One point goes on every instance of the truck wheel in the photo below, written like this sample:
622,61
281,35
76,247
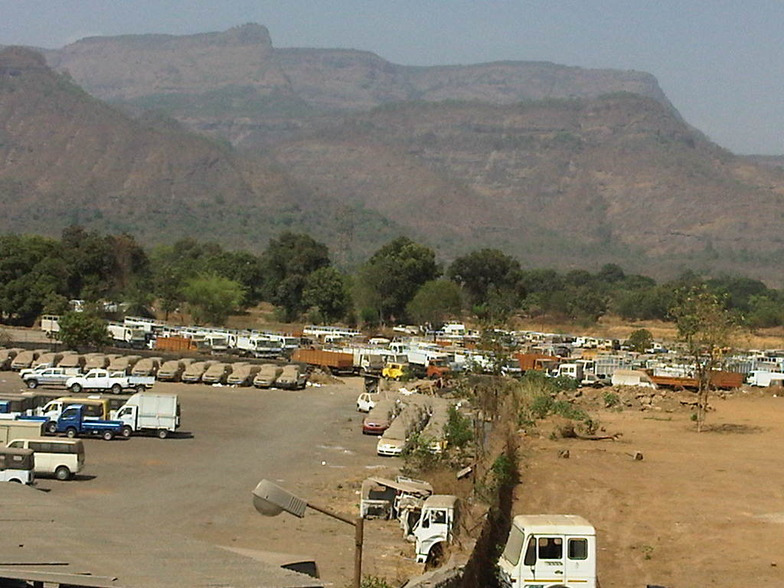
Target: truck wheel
76,388
116,388
141,388
126,431
162,433
435,557
51,427
107,435
70,432
32,383
62,473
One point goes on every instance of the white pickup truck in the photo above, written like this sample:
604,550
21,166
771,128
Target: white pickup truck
104,380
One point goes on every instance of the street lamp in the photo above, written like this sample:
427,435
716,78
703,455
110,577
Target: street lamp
271,500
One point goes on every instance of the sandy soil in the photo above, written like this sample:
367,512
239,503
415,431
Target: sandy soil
701,509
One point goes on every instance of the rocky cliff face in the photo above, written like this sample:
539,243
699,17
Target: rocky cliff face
128,68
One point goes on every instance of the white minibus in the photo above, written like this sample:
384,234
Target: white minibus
61,458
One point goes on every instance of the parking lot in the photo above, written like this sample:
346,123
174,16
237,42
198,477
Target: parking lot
197,484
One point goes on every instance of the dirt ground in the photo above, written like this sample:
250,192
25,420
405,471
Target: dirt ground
198,484
701,509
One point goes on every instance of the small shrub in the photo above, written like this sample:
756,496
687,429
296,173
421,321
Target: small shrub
565,383
541,406
611,399
458,430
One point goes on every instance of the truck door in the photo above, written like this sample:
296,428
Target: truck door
579,563
544,558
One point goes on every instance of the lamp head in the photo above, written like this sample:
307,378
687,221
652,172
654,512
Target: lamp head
270,500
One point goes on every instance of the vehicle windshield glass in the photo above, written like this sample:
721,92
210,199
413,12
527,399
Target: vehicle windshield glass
514,545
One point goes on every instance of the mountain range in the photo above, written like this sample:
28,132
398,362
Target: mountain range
222,136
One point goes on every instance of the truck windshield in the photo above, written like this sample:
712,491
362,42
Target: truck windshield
514,545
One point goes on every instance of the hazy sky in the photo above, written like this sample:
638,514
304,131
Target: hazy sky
719,61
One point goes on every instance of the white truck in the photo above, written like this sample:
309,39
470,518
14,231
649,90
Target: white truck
154,413
435,528
549,551
765,379
104,380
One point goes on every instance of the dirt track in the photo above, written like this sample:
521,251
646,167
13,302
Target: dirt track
699,510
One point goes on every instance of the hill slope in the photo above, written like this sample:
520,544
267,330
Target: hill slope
559,166
66,157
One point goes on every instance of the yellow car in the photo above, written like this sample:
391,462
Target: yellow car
394,370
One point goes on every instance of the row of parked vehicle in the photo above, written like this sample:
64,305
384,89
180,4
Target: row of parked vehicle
268,375
119,373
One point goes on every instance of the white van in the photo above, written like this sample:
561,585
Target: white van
17,465
61,458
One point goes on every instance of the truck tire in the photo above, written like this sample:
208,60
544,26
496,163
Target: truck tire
50,427
70,432
162,433
62,473
32,383
116,388
76,388
127,431
141,388
107,435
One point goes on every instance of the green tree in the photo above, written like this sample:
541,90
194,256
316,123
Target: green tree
640,340
392,276
706,327
481,272
287,262
327,292
435,302
31,270
82,329
586,303
211,299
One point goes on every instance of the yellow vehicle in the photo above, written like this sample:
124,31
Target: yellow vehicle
394,370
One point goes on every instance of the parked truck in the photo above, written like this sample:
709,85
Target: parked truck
150,413
333,361
435,528
51,377
74,423
765,379
549,550
103,380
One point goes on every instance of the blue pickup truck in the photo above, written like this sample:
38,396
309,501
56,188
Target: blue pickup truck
74,422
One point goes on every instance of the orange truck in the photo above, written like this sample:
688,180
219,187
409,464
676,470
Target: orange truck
539,362
333,361
175,344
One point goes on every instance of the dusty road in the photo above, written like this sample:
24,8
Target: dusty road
699,510
198,484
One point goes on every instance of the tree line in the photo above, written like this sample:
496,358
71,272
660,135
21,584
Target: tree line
401,282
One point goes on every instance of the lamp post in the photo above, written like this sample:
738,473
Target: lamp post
270,500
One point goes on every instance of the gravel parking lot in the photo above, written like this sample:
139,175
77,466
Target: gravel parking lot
197,484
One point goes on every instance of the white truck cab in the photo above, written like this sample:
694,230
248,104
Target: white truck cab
435,527
549,551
